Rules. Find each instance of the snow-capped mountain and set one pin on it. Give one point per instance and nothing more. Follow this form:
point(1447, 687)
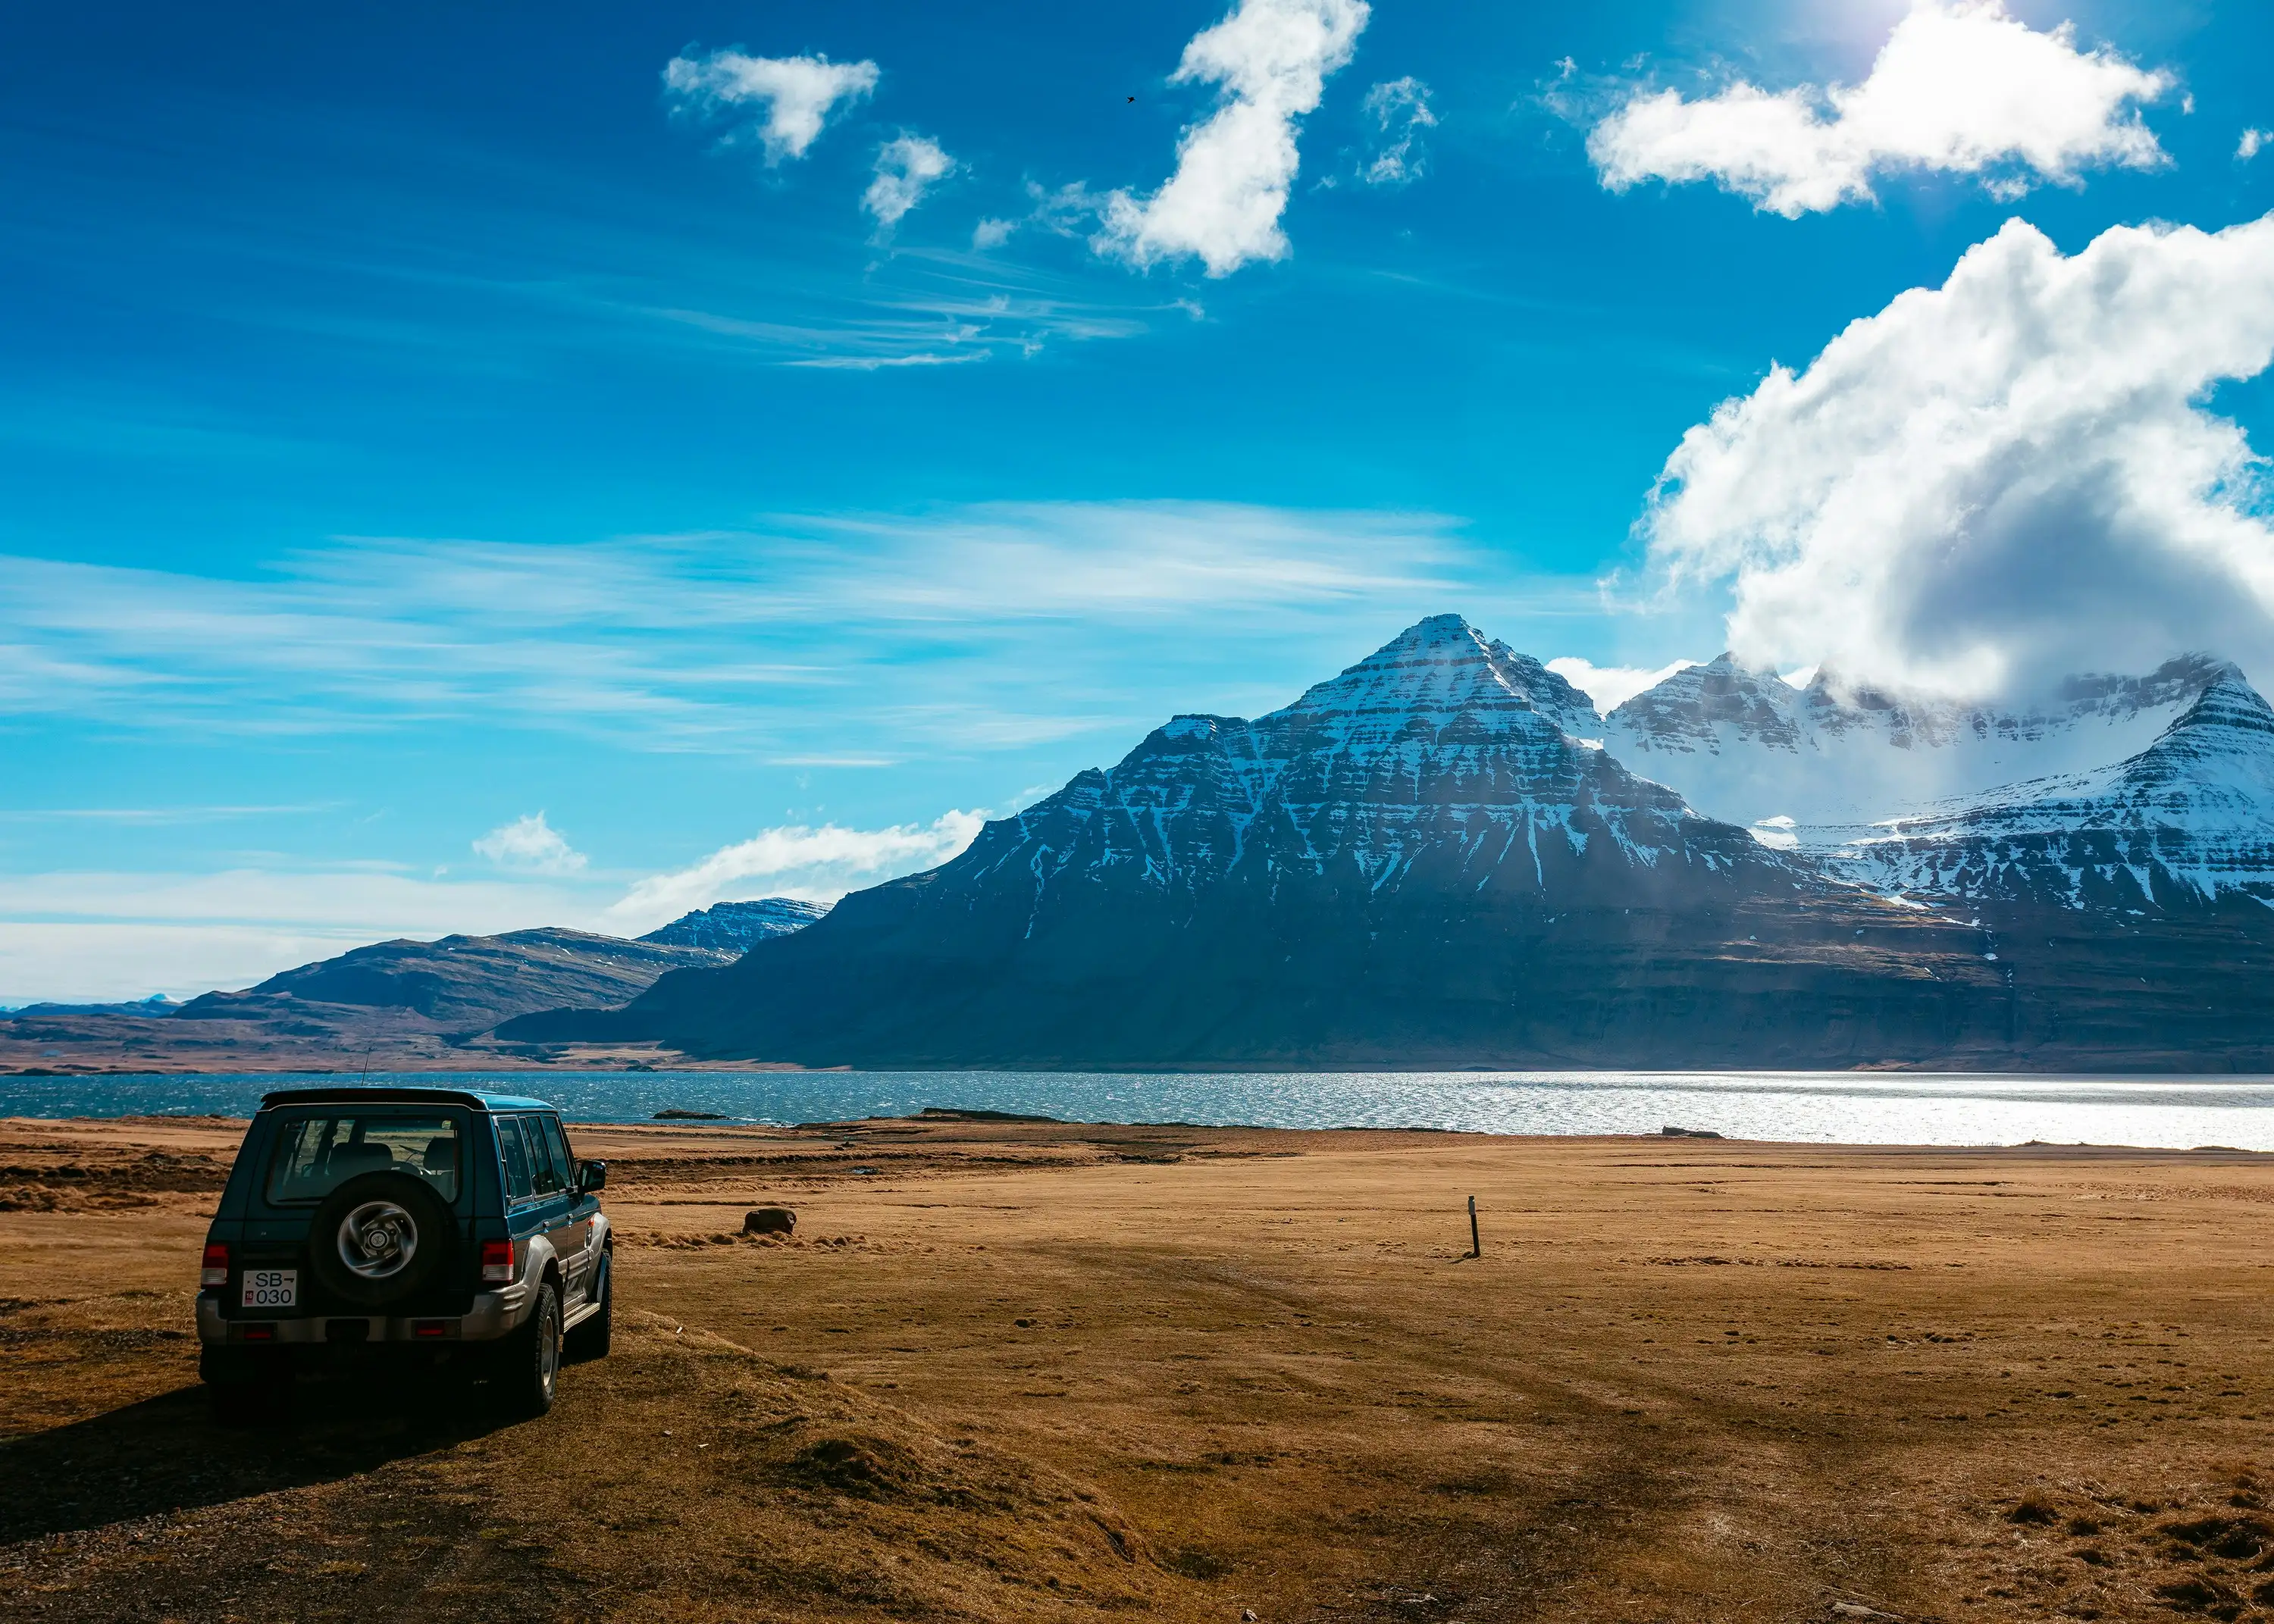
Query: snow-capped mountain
point(2177, 825)
point(736, 927)
point(1427, 857)
point(1441, 759)
point(1805, 767)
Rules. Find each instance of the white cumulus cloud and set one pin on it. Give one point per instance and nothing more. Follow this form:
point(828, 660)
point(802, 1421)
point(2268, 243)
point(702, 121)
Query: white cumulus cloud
point(1611, 685)
point(1399, 108)
point(907, 166)
point(2253, 139)
point(532, 846)
point(814, 865)
point(2012, 477)
point(797, 94)
point(1961, 85)
point(1223, 206)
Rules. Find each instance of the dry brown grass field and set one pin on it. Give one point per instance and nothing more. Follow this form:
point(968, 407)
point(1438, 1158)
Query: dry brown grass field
point(1012, 1370)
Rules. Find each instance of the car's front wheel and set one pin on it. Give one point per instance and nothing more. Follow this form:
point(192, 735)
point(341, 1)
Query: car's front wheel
point(528, 1361)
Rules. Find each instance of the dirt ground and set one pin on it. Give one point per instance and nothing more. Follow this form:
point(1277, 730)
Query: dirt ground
point(1025, 1370)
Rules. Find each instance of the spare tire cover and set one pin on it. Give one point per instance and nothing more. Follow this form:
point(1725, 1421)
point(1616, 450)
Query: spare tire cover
point(379, 1238)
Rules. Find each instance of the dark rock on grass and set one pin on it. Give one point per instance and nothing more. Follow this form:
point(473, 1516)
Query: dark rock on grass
point(770, 1220)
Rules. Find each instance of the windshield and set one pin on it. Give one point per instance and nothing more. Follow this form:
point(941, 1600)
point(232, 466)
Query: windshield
point(317, 1152)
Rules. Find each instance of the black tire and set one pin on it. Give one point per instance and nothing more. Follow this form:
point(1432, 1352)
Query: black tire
point(528, 1361)
point(406, 1235)
point(590, 1340)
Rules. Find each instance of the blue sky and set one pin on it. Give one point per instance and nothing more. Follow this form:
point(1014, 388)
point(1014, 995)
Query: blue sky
point(420, 419)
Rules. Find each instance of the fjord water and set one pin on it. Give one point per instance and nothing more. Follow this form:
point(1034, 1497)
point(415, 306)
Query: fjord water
point(1834, 1106)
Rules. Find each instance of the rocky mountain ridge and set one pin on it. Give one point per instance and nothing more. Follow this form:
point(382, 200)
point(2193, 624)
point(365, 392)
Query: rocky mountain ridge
point(1440, 856)
point(393, 1003)
point(2183, 822)
point(736, 927)
point(1747, 747)
point(2141, 793)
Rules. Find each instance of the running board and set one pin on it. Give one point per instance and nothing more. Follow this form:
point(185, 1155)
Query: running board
point(579, 1317)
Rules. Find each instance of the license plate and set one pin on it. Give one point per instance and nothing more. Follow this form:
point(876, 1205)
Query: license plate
point(271, 1289)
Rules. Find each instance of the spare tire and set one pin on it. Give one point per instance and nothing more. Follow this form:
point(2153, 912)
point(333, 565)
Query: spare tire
point(379, 1238)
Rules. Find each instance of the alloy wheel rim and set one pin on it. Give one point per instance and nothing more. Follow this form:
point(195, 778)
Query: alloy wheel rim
point(377, 1240)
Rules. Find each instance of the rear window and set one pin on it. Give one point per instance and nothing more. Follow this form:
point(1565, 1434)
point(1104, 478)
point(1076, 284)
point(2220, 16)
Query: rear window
point(317, 1152)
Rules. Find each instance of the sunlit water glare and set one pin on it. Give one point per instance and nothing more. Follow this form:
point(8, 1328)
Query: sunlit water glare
point(1843, 1106)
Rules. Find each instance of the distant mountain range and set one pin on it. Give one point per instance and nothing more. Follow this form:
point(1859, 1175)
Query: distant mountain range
point(1446, 855)
point(393, 1005)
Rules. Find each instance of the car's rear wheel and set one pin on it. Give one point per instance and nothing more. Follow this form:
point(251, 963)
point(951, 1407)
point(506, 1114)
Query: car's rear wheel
point(590, 1338)
point(528, 1361)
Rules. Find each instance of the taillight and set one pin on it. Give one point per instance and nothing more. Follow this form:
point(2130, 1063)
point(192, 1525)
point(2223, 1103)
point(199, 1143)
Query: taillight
point(215, 1272)
point(497, 1262)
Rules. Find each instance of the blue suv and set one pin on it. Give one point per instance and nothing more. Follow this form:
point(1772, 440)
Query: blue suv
point(429, 1227)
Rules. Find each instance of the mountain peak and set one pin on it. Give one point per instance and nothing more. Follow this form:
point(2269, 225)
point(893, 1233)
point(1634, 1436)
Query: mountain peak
point(2230, 722)
point(2229, 701)
point(1442, 666)
point(1436, 629)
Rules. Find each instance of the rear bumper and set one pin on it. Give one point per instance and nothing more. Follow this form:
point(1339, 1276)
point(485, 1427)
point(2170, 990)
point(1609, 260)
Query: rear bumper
point(493, 1314)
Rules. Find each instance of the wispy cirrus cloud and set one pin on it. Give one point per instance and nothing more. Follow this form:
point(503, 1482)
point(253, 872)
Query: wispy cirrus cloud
point(782, 639)
point(930, 307)
point(1399, 111)
point(157, 817)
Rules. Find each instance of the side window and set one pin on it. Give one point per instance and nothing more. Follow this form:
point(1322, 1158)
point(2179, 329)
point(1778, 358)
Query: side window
point(561, 1159)
point(544, 1155)
point(517, 1186)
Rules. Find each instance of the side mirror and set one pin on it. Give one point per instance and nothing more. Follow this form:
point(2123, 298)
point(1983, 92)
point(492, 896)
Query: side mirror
point(592, 1176)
